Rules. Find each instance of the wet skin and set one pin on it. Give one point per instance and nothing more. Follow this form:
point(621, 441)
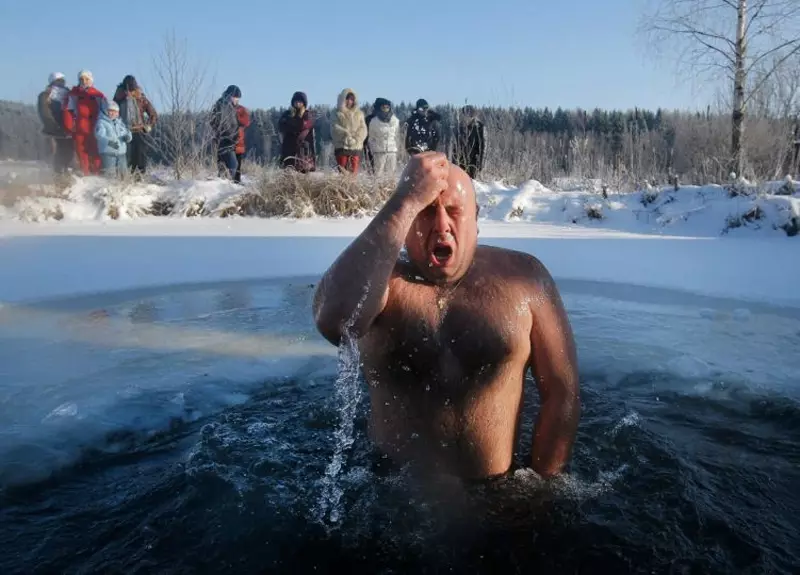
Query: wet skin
point(447, 334)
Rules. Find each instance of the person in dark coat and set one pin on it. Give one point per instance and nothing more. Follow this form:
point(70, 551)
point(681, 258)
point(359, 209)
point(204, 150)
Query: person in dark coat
point(50, 105)
point(368, 157)
point(139, 115)
point(423, 130)
point(296, 126)
point(470, 142)
point(225, 126)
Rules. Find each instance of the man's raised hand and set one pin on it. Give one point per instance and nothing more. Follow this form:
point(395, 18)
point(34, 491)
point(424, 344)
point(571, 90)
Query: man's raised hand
point(424, 179)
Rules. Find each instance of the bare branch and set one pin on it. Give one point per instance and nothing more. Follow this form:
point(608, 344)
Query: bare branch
point(769, 74)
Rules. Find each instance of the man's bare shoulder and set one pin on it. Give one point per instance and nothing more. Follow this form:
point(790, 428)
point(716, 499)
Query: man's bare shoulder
point(512, 264)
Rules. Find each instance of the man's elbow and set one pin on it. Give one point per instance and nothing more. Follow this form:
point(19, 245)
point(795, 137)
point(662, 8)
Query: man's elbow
point(328, 328)
point(326, 324)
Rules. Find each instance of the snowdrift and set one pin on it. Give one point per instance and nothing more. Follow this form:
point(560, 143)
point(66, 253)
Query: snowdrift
point(691, 210)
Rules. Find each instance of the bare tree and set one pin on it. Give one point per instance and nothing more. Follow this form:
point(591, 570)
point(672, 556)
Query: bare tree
point(729, 39)
point(182, 139)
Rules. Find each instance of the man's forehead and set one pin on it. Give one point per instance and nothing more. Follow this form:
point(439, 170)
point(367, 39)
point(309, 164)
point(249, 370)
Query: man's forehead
point(458, 192)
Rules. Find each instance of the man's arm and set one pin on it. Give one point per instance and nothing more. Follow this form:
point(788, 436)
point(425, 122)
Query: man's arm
point(355, 287)
point(554, 364)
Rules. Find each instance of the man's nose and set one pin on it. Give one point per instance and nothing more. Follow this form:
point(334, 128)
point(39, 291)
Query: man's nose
point(441, 223)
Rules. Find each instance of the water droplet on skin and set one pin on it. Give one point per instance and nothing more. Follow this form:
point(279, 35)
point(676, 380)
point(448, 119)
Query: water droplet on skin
point(428, 387)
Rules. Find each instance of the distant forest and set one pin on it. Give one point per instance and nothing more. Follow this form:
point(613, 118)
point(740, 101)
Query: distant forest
point(624, 148)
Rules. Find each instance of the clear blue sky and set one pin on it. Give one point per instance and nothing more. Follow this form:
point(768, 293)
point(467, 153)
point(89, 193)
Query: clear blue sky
point(569, 53)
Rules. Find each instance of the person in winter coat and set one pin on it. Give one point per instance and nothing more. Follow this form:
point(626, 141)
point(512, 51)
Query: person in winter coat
point(50, 106)
point(298, 145)
point(225, 125)
point(139, 115)
point(80, 113)
point(368, 159)
point(383, 131)
point(422, 130)
point(113, 137)
point(470, 142)
point(243, 118)
point(349, 130)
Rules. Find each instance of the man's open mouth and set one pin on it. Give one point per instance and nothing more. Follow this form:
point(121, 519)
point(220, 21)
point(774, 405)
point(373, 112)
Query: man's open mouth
point(441, 254)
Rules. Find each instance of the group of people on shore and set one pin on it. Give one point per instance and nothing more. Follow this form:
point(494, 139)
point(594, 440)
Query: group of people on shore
point(375, 137)
point(104, 136)
point(108, 136)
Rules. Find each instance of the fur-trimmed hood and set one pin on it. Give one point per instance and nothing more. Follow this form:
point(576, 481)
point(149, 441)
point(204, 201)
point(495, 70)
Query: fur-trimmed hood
point(348, 130)
point(340, 101)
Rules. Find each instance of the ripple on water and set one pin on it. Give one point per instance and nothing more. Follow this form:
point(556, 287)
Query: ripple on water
point(680, 465)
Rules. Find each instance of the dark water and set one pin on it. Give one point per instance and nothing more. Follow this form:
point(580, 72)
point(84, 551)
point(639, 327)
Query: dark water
point(676, 470)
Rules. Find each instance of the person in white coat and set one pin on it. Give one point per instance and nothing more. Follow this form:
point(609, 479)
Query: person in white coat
point(348, 131)
point(383, 130)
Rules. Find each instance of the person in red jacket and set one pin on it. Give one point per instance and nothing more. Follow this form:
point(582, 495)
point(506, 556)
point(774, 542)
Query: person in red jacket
point(81, 109)
point(243, 117)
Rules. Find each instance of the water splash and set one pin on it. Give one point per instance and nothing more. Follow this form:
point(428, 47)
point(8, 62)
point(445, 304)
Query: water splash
point(348, 394)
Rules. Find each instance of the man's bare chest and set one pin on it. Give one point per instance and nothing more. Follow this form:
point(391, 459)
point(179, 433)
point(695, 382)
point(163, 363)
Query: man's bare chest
point(468, 336)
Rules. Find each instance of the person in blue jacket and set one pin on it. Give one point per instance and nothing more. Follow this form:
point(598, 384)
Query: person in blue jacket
point(113, 137)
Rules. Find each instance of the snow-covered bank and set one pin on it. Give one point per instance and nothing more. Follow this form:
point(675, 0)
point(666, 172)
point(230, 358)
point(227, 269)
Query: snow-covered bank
point(60, 259)
point(699, 211)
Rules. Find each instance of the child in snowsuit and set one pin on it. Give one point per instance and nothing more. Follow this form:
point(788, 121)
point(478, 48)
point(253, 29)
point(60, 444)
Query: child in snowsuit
point(113, 137)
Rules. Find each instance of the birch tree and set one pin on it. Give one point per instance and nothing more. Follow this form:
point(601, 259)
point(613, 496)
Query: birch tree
point(728, 40)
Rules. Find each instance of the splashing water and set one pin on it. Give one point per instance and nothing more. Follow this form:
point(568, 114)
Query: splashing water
point(348, 393)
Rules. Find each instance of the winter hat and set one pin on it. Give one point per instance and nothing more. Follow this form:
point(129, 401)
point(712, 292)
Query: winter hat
point(300, 97)
point(85, 73)
point(112, 105)
point(422, 103)
point(54, 77)
point(232, 91)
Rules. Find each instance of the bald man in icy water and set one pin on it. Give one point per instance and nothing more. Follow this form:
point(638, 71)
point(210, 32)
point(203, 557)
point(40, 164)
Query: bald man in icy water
point(447, 334)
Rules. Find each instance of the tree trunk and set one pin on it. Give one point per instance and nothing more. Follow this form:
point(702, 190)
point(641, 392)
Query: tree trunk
point(739, 81)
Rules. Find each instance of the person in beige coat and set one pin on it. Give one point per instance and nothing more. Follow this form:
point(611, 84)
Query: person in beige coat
point(349, 130)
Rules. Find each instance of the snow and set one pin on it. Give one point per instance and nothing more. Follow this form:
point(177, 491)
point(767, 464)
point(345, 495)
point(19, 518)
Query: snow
point(692, 239)
point(697, 211)
point(59, 259)
point(65, 384)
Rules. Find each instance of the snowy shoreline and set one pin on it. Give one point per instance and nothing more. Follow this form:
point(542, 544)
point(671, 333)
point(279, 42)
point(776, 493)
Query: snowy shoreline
point(697, 239)
point(51, 260)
